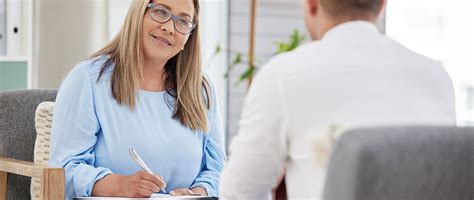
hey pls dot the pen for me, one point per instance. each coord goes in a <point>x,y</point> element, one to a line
<point>140,162</point>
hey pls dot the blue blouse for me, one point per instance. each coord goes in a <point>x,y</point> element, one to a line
<point>92,133</point>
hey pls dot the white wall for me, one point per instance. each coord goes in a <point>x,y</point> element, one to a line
<point>117,11</point>
<point>64,33</point>
<point>214,31</point>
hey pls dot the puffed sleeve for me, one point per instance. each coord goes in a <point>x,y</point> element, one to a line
<point>214,156</point>
<point>74,133</point>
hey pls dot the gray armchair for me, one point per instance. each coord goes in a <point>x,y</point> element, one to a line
<point>409,163</point>
<point>17,140</point>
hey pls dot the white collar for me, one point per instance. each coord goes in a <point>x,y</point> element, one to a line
<point>348,29</point>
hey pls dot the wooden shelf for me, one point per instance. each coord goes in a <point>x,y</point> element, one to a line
<point>13,59</point>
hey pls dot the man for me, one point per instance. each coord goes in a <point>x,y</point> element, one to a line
<point>349,76</point>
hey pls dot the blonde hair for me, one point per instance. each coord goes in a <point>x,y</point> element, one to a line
<point>183,73</point>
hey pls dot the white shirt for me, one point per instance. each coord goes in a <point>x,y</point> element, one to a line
<point>353,77</point>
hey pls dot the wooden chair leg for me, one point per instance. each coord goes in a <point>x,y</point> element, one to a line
<point>3,185</point>
<point>52,184</point>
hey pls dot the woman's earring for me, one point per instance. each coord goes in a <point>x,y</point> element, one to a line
<point>182,48</point>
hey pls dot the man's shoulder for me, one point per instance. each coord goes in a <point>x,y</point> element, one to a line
<point>408,57</point>
<point>401,50</point>
<point>288,61</point>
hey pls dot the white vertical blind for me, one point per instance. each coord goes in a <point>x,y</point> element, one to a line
<point>276,20</point>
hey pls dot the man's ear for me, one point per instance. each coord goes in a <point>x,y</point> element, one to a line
<point>312,6</point>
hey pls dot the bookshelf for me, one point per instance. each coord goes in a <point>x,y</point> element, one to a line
<point>15,45</point>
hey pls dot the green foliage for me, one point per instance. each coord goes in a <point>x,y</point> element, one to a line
<point>218,49</point>
<point>249,73</point>
<point>296,39</point>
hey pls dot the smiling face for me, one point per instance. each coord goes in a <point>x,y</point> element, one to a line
<point>161,41</point>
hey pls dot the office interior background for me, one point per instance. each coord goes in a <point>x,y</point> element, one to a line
<point>41,40</point>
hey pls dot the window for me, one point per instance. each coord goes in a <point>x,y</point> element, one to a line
<point>443,31</point>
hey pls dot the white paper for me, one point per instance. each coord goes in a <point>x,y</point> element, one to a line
<point>154,195</point>
<point>167,196</point>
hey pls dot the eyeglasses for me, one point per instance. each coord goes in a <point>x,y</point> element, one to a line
<point>162,15</point>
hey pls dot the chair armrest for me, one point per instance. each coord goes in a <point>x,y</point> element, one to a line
<point>52,179</point>
<point>23,168</point>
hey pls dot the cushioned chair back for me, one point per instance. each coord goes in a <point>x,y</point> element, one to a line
<point>409,163</point>
<point>18,134</point>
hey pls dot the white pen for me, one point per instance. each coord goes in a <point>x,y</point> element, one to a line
<point>140,162</point>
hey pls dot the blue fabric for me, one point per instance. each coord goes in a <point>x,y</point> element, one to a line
<point>92,133</point>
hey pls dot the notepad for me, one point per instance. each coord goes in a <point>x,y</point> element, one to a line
<point>153,196</point>
<point>167,196</point>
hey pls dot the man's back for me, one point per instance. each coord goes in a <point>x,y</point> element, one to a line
<point>356,77</point>
<point>353,77</point>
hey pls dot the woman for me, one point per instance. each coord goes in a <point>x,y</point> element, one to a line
<point>145,90</point>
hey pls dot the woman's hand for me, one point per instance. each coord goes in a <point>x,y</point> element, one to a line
<point>181,192</point>
<point>140,184</point>
<point>194,191</point>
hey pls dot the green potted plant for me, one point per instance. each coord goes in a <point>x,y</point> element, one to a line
<point>238,58</point>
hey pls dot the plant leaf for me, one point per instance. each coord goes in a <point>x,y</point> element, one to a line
<point>247,74</point>
<point>218,49</point>
<point>295,40</point>
<point>237,59</point>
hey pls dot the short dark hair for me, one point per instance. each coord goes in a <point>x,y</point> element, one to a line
<point>351,8</point>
